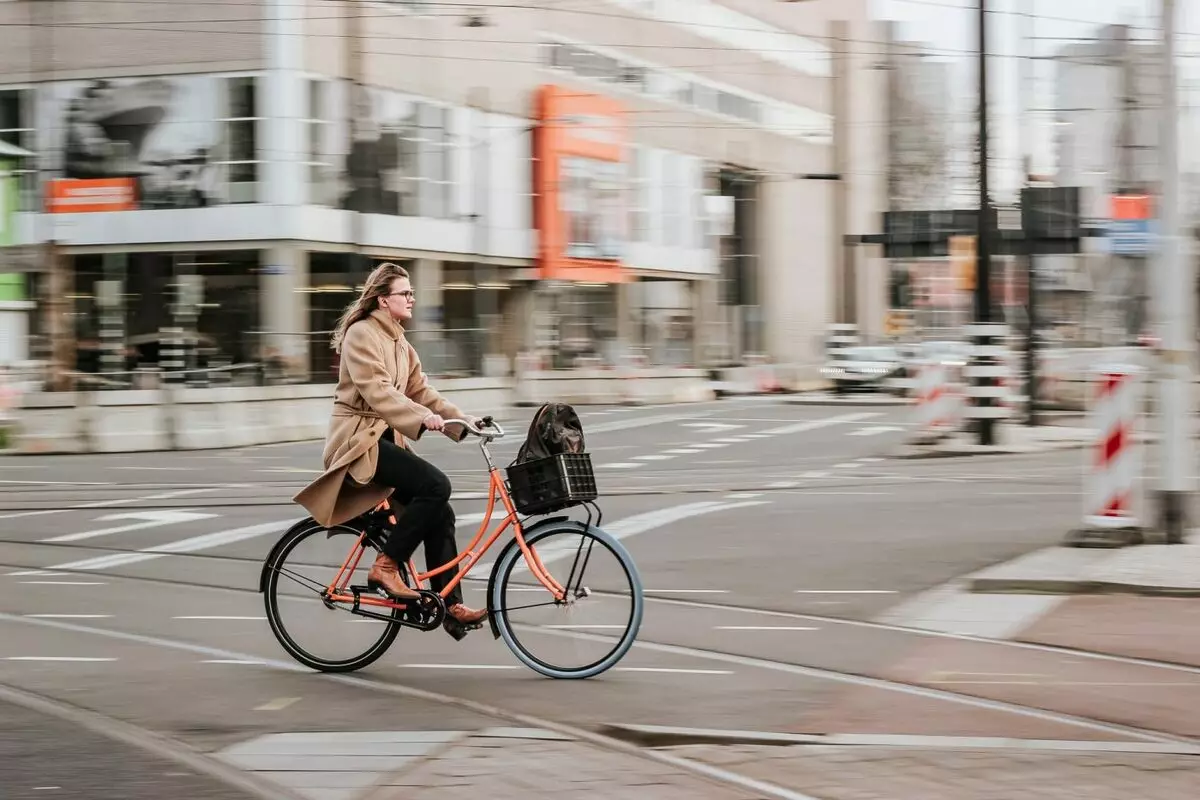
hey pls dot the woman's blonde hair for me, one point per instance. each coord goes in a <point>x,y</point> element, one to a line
<point>378,284</point>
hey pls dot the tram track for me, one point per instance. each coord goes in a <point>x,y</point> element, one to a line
<point>807,668</point>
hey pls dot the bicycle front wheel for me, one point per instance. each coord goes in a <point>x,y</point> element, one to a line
<point>594,627</point>
<point>322,635</point>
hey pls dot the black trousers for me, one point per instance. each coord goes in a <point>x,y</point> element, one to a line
<point>424,491</point>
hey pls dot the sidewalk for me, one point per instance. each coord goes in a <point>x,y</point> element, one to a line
<point>1011,438</point>
<point>1155,570</point>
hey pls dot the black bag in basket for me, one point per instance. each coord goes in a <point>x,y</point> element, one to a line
<point>555,429</point>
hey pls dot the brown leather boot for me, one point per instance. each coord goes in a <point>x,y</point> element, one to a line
<point>385,574</point>
<point>460,620</point>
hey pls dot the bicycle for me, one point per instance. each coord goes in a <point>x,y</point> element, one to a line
<point>535,488</point>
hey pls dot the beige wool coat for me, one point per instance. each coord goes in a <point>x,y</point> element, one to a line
<point>380,385</point>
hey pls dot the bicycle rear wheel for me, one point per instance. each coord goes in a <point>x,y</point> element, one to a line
<point>597,624</point>
<point>323,635</point>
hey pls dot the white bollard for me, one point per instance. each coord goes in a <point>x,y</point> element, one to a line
<point>1114,460</point>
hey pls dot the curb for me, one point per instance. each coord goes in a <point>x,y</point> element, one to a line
<point>1070,586</point>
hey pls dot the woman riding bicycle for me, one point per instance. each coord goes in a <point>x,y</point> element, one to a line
<point>382,392</point>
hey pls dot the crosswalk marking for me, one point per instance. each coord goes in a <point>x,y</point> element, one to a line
<point>149,519</point>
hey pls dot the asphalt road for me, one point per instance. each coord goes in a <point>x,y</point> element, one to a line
<point>128,582</point>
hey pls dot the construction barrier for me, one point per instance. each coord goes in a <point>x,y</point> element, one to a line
<point>1115,456</point>
<point>1114,460</point>
<point>939,401</point>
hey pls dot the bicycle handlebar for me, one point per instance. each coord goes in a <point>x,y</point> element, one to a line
<point>494,431</point>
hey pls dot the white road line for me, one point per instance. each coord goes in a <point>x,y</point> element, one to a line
<point>581,626</point>
<point>256,619</point>
<point>621,465</point>
<point>743,495</point>
<point>30,573</point>
<point>655,457</point>
<point>675,670</point>
<point>709,445</point>
<point>814,474</point>
<point>763,628</point>
<point>812,425</point>
<point>59,483</point>
<point>687,591</point>
<point>729,441</point>
<point>874,430</point>
<point>845,591</point>
<point>245,661</point>
<point>64,583</point>
<point>196,543</point>
<point>109,503</point>
<point>683,452</point>
<point>278,704</point>
<point>56,658</point>
<point>783,485</point>
<point>69,616</point>
<point>847,465</point>
<point>458,666</point>
<point>150,519</point>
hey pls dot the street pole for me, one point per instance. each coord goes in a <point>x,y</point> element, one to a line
<point>983,300</point>
<point>1025,93</point>
<point>1176,290</point>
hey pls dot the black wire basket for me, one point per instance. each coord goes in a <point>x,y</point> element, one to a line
<point>551,484</point>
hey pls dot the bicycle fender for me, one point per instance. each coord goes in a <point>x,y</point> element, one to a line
<point>304,524</point>
<point>491,608</point>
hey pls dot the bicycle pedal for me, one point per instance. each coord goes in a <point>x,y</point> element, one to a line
<point>459,630</point>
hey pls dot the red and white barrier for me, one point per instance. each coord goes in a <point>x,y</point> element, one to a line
<point>939,399</point>
<point>1114,461</point>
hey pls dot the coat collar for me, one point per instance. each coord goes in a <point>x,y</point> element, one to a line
<point>389,325</point>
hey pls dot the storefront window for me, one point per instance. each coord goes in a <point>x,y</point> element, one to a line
<point>16,129</point>
<point>130,298</point>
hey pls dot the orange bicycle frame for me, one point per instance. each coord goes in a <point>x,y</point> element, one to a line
<point>336,591</point>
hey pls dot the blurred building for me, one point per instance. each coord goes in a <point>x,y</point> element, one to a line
<point>644,179</point>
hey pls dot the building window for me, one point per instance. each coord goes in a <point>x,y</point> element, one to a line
<point>240,163</point>
<point>436,153</point>
<point>318,164</point>
<point>673,209</point>
<point>15,129</point>
<point>639,213</point>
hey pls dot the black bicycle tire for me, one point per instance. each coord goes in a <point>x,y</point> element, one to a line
<point>368,657</point>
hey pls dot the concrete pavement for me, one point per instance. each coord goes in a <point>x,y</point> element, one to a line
<point>772,559</point>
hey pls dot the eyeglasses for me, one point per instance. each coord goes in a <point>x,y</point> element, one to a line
<point>408,293</point>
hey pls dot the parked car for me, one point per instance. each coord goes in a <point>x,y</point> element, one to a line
<point>868,368</point>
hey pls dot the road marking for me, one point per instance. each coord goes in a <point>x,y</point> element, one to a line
<point>581,626</point>
<point>709,446</point>
<point>653,458</point>
<point>870,460</point>
<point>59,483</point>
<point>64,583</point>
<point>457,666</point>
<point>30,573</point>
<point>683,452</point>
<point>109,503</point>
<point>255,619</point>
<point>675,670</point>
<point>712,426</point>
<point>586,735</point>
<point>70,616</point>
<point>817,474</point>
<point>845,591</point>
<point>622,465</point>
<point>783,485</point>
<point>150,519</point>
<point>278,704</point>
<point>57,658</point>
<point>875,430</point>
<point>729,441</point>
<point>192,545</point>
<point>687,591</point>
<point>243,661</point>
<point>847,465</point>
<point>757,436</point>
<point>812,425</point>
<point>764,628</point>
<point>743,495</point>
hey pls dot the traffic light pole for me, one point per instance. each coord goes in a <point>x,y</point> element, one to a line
<point>983,300</point>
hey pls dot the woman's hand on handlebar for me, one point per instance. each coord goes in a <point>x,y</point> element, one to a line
<point>434,423</point>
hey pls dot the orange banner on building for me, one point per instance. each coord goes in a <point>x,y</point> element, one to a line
<point>581,207</point>
<point>75,196</point>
